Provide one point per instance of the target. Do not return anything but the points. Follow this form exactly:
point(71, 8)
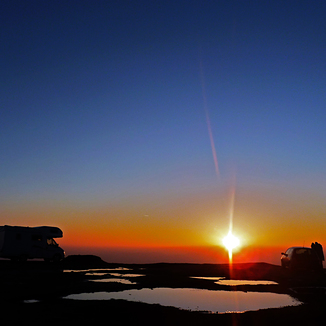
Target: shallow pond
point(113, 277)
point(197, 299)
point(223, 281)
point(126, 275)
point(97, 270)
point(117, 280)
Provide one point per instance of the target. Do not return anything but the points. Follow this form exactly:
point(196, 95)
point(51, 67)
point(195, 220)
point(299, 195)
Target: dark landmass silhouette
point(84, 261)
point(49, 283)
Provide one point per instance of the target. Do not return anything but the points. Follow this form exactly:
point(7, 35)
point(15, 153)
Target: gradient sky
point(104, 131)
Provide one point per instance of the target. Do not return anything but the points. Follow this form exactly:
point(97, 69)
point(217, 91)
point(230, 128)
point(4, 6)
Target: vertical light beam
point(230, 241)
point(208, 121)
point(231, 218)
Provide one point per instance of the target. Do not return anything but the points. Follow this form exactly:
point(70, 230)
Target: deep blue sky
point(101, 101)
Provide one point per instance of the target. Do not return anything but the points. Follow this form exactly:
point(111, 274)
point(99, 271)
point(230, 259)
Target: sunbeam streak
point(230, 241)
point(208, 121)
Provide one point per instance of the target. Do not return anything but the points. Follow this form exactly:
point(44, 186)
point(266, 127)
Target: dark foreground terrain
point(48, 284)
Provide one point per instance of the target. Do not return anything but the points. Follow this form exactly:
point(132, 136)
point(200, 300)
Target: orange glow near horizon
point(173, 225)
point(93, 230)
point(116, 236)
point(178, 254)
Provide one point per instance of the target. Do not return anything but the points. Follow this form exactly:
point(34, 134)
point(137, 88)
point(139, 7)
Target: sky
point(141, 128)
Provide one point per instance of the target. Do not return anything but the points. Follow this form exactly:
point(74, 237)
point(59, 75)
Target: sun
point(230, 242)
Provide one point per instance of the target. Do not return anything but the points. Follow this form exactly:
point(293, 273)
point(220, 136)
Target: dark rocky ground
point(48, 284)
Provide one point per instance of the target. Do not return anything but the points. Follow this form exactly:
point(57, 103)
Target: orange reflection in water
point(197, 299)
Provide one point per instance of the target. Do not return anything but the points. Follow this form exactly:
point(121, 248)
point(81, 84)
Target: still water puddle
point(97, 270)
point(96, 273)
point(31, 301)
point(117, 277)
point(223, 281)
point(210, 278)
point(117, 280)
point(197, 299)
point(126, 275)
point(245, 282)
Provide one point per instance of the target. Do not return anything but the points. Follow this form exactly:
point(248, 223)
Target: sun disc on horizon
point(230, 242)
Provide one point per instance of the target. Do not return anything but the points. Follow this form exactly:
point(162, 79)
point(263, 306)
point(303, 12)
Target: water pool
point(197, 299)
